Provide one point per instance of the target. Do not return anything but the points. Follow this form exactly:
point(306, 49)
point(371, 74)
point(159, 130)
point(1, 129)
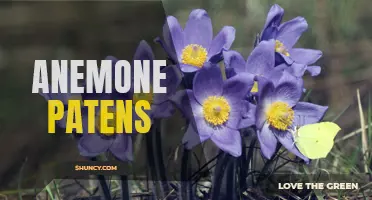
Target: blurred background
point(29, 30)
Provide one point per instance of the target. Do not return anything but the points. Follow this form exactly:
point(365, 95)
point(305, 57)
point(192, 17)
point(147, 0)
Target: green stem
point(124, 187)
point(267, 165)
point(185, 171)
point(218, 175)
point(103, 183)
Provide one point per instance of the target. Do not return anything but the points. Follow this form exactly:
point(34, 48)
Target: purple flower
point(216, 109)
point(279, 112)
point(161, 106)
point(261, 62)
point(63, 97)
point(94, 144)
point(286, 35)
point(192, 47)
point(90, 145)
point(115, 95)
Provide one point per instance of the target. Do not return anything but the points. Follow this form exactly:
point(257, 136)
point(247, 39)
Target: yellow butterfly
point(316, 140)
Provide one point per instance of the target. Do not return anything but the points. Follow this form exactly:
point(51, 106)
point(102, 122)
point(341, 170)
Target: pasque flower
point(63, 97)
point(216, 109)
point(94, 144)
point(279, 112)
point(261, 62)
point(91, 145)
point(161, 106)
point(286, 35)
point(193, 46)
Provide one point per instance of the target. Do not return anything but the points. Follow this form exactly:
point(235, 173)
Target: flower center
point(280, 48)
point(280, 115)
point(194, 55)
point(110, 122)
point(216, 110)
point(144, 96)
point(255, 87)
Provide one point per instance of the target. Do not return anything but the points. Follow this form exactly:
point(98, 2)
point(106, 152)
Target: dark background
point(93, 30)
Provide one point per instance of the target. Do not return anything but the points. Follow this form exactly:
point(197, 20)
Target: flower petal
point(276, 74)
point(266, 90)
point(281, 58)
point(262, 58)
point(163, 110)
point(314, 70)
point(235, 115)
point(308, 113)
point(248, 114)
point(173, 37)
point(265, 95)
point(64, 97)
point(143, 52)
point(268, 141)
point(191, 138)
point(273, 20)
point(197, 116)
point(234, 60)
point(121, 147)
point(287, 77)
point(235, 90)
point(91, 145)
point(228, 140)
point(171, 82)
point(182, 101)
point(289, 89)
point(230, 72)
point(290, 31)
point(297, 69)
point(222, 41)
point(286, 139)
point(188, 68)
point(305, 56)
point(168, 49)
point(208, 82)
point(198, 29)
point(238, 87)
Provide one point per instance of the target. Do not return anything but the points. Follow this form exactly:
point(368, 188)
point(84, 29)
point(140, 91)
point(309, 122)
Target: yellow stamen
point(255, 87)
point(110, 122)
point(280, 48)
point(144, 96)
point(280, 115)
point(194, 55)
point(216, 110)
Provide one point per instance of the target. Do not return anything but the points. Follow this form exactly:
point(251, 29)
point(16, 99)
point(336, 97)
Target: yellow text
point(103, 116)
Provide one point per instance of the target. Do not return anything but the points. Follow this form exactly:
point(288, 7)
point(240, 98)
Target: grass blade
point(307, 95)
point(364, 134)
point(49, 191)
point(20, 180)
point(56, 187)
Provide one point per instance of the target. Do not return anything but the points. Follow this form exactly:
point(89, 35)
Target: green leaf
point(50, 193)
